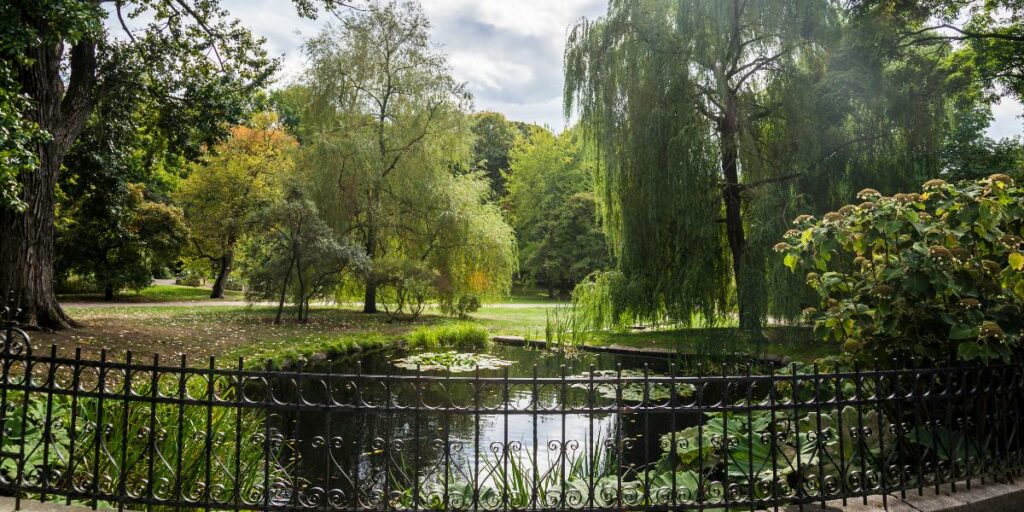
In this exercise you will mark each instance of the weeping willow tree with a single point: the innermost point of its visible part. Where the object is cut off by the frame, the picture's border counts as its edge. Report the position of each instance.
(386, 133)
(669, 89)
(718, 120)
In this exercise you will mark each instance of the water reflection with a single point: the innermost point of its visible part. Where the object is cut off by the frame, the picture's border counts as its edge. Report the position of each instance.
(484, 432)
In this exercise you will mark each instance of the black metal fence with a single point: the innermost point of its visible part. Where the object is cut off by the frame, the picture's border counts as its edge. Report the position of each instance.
(151, 435)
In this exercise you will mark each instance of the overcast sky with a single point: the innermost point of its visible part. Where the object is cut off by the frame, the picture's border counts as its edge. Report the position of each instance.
(508, 51)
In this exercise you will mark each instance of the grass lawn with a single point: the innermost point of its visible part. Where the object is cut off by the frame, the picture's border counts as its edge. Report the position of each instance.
(793, 342)
(229, 332)
(156, 293)
(225, 332)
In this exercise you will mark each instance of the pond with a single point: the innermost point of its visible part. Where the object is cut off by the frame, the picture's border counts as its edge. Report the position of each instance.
(484, 426)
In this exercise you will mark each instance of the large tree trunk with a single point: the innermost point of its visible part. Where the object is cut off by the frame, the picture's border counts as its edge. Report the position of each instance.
(225, 263)
(27, 238)
(728, 131)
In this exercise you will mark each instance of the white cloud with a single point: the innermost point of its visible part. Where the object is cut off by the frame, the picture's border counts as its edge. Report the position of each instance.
(508, 51)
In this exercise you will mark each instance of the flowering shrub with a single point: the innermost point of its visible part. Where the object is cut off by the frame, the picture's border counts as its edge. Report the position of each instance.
(935, 275)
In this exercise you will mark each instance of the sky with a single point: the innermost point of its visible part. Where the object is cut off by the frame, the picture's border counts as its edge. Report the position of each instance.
(509, 52)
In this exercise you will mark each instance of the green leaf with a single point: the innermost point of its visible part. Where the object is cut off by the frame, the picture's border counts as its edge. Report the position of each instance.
(1017, 260)
(963, 332)
(791, 260)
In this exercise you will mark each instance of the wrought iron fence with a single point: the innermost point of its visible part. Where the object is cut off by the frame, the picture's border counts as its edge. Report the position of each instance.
(151, 435)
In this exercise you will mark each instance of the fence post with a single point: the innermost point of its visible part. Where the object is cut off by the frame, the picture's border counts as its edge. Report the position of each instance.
(44, 478)
(122, 486)
(27, 382)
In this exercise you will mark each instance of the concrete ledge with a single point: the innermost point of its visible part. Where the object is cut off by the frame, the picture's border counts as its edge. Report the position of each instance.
(993, 497)
(7, 505)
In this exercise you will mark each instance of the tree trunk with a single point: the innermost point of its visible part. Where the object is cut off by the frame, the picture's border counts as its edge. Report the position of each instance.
(370, 297)
(108, 293)
(222, 275)
(27, 249)
(284, 291)
(728, 131)
(27, 238)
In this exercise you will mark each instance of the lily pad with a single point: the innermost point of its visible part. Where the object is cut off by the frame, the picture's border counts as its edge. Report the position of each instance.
(455, 362)
(633, 391)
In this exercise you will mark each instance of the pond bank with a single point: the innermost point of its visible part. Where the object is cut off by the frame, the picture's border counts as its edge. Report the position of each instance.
(519, 341)
(350, 349)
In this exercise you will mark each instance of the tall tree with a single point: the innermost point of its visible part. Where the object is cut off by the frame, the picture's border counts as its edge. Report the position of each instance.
(495, 136)
(114, 227)
(550, 203)
(714, 118)
(386, 127)
(189, 55)
(989, 34)
(716, 59)
(239, 178)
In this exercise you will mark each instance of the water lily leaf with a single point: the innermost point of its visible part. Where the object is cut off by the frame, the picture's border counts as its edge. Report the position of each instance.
(632, 391)
(455, 362)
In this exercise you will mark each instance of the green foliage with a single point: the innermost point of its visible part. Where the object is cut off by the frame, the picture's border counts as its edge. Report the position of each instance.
(17, 153)
(388, 143)
(988, 36)
(553, 210)
(190, 421)
(934, 275)
(237, 179)
(456, 335)
(459, 307)
(598, 304)
(296, 256)
(760, 445)
(114, 237)
(493, 139)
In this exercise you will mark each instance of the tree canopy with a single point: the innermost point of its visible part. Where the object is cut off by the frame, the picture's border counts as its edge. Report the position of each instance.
(551, 205)
(221, 196)
(712, 117)
(387, 144)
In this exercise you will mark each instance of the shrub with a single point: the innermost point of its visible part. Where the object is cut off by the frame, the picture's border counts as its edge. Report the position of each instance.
(189, 279)
(453, 336)
(928, 275)
(461, 306)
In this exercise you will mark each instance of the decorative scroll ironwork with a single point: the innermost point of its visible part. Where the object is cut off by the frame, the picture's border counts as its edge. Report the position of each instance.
(149, 434)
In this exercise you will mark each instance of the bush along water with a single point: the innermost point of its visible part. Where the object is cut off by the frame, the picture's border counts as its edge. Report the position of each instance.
(924, 275)
(461, 336)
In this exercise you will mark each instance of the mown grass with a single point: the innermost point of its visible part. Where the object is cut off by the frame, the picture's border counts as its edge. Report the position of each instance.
(793, 342)
(226, 332)
(229, 332)
(155, 293)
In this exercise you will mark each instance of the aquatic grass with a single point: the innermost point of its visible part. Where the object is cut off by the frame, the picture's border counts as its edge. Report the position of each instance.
(510, 479)
(562, 328)
(452, 335)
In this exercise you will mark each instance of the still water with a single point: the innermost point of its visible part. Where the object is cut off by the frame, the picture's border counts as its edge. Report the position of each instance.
(460, 429)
